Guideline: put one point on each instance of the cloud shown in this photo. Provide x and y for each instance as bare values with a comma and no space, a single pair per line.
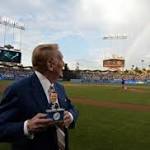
92,60
55,20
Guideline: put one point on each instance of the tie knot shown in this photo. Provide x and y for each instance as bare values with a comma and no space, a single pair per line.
51,89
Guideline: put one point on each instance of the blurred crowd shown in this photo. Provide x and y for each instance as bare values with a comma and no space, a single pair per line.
10,73
96,76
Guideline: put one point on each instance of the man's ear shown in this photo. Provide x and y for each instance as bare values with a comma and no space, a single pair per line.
50,65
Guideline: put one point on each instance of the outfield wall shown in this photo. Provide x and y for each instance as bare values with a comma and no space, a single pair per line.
115,81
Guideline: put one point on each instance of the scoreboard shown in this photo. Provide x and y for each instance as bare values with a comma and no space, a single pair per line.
10,56
113,63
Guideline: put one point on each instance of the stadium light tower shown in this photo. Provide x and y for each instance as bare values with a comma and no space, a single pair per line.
77,66
142,63
7,22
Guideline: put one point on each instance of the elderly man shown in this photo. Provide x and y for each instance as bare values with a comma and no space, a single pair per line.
23,118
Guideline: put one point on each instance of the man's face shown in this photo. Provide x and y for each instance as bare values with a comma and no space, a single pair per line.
58,64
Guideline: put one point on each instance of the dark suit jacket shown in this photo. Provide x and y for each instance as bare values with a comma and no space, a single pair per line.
23,100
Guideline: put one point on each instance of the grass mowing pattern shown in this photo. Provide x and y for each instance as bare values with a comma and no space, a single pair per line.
110,129
110,93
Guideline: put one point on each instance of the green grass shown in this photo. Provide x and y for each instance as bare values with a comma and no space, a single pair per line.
6,82
111,93
110,129
4,146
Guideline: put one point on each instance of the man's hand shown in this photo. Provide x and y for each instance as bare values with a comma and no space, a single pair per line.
67,119
38,123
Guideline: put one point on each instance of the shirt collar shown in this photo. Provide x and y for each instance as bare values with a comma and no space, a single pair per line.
44,81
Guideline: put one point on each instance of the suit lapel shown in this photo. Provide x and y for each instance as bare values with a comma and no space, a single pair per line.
60,95
38,93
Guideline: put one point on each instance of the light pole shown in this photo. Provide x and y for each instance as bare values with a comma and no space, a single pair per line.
142,63
132,67
149,67
7,22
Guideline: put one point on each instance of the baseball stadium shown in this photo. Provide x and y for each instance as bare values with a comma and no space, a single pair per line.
112,116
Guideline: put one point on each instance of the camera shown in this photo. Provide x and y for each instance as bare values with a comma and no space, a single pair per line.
56,115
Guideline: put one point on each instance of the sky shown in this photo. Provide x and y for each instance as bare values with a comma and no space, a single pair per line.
79,26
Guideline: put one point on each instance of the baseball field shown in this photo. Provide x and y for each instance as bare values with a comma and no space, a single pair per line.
111,118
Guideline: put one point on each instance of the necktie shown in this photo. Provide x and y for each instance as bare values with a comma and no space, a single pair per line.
60,138
53,97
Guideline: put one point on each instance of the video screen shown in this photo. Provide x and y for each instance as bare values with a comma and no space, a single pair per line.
10,56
